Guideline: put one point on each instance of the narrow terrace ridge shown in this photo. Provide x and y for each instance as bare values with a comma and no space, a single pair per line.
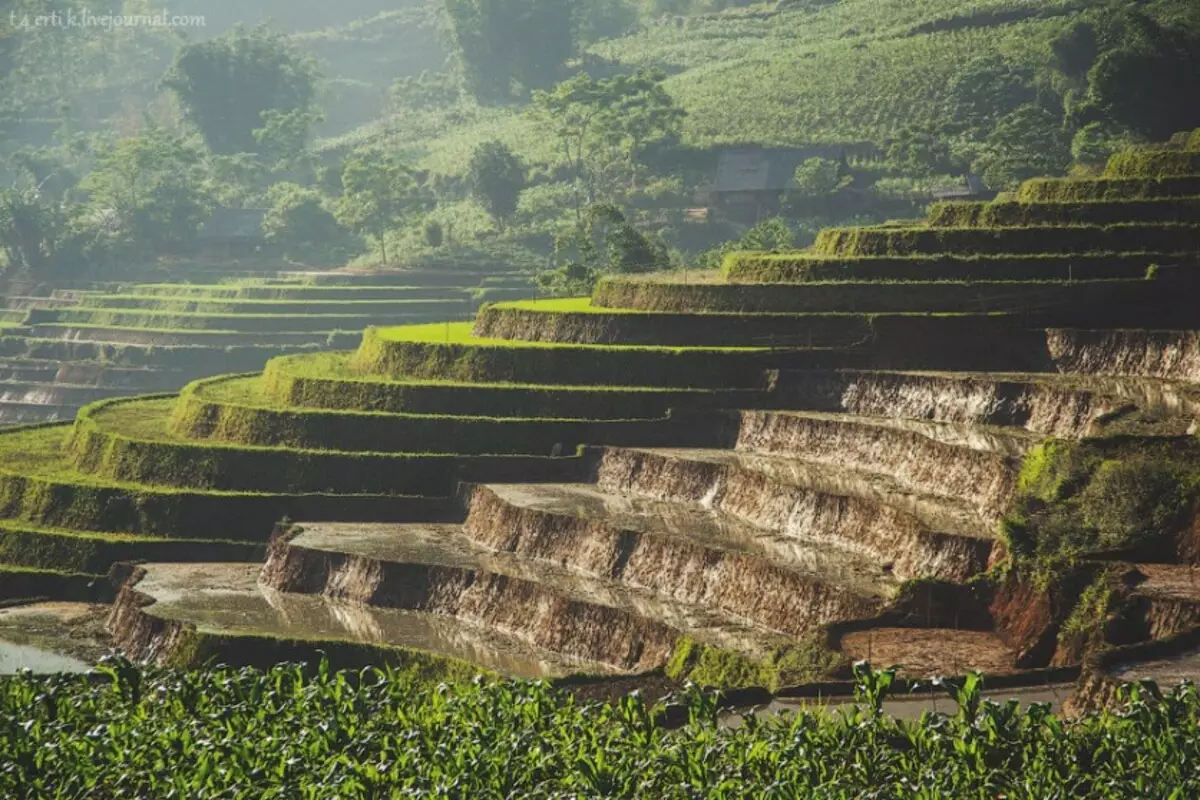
667,293
236,411
129,440
814,267
451,351
330,381
40,484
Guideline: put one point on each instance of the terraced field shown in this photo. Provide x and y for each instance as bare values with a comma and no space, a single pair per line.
906,444
59,353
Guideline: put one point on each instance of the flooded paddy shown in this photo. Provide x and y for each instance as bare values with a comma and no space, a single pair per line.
52,637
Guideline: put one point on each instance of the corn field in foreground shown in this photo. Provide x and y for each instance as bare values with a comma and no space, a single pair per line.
128,732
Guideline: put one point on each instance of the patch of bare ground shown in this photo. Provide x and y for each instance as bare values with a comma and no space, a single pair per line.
926,652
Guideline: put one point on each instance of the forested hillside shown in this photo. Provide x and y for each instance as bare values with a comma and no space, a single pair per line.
576,137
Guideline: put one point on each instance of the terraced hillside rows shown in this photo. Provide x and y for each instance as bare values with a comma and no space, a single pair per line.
930,446
62,352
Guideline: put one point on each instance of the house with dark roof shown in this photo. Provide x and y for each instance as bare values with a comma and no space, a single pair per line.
751,182
972,188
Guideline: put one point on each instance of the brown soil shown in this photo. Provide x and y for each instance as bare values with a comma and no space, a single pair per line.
926,652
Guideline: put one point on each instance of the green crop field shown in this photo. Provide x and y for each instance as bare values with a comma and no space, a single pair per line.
839,72
401,733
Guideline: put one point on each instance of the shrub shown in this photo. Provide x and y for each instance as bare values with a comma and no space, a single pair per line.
1130,502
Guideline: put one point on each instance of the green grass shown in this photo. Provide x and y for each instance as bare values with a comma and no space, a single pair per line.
1153,162
245,391
255,323
95,552
1130,494
706,665
1104,212
327,381
460,334
809,267
40,484
151,304
130,440
1081,239
1106,189
451,352
235,411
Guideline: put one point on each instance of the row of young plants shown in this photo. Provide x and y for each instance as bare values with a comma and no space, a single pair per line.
292,732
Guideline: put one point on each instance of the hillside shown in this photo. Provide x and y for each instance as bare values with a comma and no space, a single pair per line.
854,70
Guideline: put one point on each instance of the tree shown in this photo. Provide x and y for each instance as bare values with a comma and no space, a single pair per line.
920,154
985,90
1074,51
283,139
1133,69
505,45
1028,143
154,185
641,112
573,108
818,178
604,19
378,193
34,232
592,118
497,178
1095,143
228,84
302,226
1151,92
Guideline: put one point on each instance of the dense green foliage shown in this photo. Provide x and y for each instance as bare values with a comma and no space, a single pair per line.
379,193
497,178
285,733
1102,495
507,47
228,84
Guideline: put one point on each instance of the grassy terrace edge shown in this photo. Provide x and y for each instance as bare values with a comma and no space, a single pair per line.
244,417
451,352
99,446
811,267
326,381
38,485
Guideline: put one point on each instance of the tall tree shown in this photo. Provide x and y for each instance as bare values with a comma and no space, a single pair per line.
615,117
497,177
227,85
153,185
379,192
508,47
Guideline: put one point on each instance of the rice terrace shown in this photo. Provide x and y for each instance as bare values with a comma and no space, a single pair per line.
601,399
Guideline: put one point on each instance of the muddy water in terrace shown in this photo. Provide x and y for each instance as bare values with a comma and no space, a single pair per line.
15,657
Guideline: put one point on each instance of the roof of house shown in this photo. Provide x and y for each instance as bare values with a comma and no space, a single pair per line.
972,186
764,169
234,223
